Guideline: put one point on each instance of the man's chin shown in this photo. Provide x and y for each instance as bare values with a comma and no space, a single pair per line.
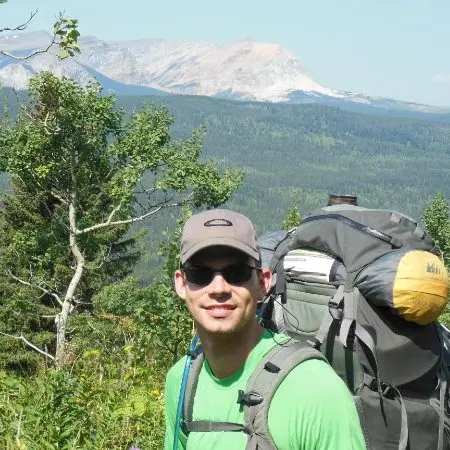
221,330
220,327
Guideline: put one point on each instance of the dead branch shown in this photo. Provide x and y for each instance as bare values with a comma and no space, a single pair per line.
27,342
30,55
126,221
21,27
36,286
103,259
59,197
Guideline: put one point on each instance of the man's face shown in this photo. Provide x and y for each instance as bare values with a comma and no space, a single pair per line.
221,306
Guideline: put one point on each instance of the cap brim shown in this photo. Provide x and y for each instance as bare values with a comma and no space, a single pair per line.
226,242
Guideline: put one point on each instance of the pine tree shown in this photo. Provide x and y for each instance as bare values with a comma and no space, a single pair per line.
437,222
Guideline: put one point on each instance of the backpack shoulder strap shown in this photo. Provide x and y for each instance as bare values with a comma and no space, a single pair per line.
191,387
263,384
187,423
444,391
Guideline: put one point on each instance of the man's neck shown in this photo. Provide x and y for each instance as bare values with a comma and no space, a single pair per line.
227,353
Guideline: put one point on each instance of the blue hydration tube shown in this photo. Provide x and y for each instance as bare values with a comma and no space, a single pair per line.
187,366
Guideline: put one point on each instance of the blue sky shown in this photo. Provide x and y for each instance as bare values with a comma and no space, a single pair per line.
387,48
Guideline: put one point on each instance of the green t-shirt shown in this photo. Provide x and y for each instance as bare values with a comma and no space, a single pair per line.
312,408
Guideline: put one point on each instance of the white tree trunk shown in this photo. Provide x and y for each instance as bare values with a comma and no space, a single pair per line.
67,306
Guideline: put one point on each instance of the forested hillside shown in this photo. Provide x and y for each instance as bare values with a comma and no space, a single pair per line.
300,153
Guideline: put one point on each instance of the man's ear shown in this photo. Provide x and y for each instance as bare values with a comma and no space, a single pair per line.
180,284
265,280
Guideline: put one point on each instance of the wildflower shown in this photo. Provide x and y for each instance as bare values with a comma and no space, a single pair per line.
93,353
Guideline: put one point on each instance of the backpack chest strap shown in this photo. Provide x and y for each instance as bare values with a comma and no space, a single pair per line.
204,426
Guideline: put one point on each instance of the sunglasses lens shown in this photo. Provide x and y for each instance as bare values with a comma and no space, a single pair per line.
199,275
237,273
234,274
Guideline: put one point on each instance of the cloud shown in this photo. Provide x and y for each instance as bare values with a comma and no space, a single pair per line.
441,78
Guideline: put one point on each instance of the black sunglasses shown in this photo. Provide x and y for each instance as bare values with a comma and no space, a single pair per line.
235,274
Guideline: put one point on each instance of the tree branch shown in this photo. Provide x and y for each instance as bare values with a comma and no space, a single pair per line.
149,191
27,283
21,27
30,55
120,222
113,212
27,342
59,197
126,221
102,261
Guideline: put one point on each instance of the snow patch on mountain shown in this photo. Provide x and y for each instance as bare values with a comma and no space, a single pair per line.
246,69
16,76
25,41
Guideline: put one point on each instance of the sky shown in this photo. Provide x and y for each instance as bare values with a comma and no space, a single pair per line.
397,49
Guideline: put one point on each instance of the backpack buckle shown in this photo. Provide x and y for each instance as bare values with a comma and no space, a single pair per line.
314,343
387,389
249,398
335,311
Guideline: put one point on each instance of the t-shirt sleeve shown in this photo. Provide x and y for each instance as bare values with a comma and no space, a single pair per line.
313,409
171,394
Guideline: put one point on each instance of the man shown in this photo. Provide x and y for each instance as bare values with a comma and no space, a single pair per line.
221,281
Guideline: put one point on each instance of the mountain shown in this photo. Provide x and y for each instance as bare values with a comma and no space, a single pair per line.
245,70
16,74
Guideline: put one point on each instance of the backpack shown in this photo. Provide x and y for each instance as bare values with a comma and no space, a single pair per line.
260,389
365,287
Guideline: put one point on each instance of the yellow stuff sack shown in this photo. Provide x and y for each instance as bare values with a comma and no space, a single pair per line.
413,283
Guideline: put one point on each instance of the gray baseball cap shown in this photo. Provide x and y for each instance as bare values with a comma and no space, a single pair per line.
218,227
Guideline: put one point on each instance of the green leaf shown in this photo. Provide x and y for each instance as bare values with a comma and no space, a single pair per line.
63,54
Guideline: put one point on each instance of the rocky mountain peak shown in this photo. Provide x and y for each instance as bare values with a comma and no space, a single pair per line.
244,69
241,70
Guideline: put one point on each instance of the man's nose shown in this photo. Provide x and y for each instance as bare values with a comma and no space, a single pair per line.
219,284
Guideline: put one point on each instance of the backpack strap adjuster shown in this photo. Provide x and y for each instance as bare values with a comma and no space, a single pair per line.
195,352
249,398
387,389
335,310
272,368
314,343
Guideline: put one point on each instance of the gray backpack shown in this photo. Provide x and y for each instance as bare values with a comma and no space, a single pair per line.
396,369
260,389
